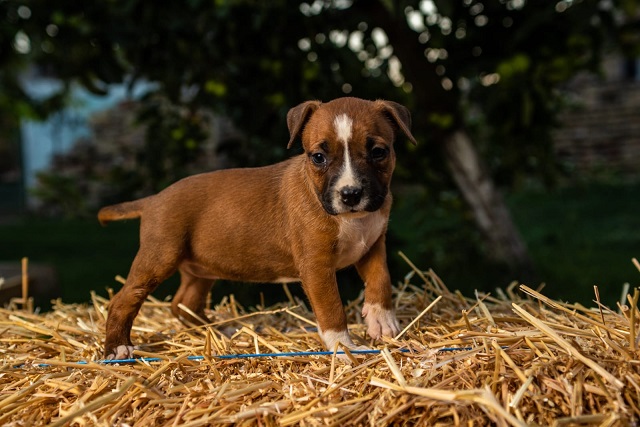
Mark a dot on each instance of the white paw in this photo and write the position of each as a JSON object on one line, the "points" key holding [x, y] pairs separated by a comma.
{"points": [[123, 352], [332, 338], [380, 321]]}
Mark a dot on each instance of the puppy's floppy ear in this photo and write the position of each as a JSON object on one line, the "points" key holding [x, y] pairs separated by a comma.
{"points": [[399, 115], [297, 117]]}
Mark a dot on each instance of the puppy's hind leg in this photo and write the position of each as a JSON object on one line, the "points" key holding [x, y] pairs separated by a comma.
{"points": [[191, 294], [147, 272]]}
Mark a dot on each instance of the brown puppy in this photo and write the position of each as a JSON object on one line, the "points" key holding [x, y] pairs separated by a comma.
{"points": [[296, 221]]}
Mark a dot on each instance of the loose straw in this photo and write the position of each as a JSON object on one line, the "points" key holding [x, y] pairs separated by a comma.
{"points": [[566, 345], [25, 280], [425, 311], [198, 358], [536, 362]]}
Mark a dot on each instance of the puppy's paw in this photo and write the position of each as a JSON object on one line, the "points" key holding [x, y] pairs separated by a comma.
{"points": [[332, 338], [380, 321], [122, 352]]}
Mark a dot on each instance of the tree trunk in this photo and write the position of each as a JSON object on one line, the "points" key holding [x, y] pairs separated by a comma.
{"points": [[490, 212]]}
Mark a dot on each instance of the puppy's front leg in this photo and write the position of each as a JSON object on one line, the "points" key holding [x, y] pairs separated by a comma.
{"points": [[377, 311], [321, 288]]}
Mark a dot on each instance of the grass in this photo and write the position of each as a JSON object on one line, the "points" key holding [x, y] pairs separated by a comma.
{"points": [[582, 236], [85, 255], [578, 237]]}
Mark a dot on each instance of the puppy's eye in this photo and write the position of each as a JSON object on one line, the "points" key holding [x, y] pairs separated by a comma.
{"points": [[379, 153], [318, 158]]}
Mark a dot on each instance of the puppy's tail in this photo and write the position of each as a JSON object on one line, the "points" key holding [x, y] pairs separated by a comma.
{"points": [[127, 210]]}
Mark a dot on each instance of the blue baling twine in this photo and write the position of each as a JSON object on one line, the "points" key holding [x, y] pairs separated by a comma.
{"points": [[246, 356]]}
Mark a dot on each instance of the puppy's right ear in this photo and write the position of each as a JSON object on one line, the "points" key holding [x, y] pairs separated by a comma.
{"points": [[297, 117]]}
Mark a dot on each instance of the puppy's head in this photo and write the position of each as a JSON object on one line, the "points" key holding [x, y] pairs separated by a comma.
{"points": [[348, 143]]}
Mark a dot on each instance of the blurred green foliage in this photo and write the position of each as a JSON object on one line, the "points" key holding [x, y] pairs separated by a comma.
{"points": [[252, 61]]}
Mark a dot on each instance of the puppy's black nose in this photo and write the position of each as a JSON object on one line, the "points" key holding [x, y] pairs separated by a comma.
{"points": [[351, 196]]}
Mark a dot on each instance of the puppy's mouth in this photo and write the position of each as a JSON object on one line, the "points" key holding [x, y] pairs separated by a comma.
{"points": [[366, 206], [331, 208]]}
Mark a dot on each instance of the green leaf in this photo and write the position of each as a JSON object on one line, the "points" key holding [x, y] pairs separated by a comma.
{"points": [[443, 121], [513, 66], [215, 88]]}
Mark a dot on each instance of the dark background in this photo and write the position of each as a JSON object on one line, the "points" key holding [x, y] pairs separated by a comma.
{"points": [[524, 113]]}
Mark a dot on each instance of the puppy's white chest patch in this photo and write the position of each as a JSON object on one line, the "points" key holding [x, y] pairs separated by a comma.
{"points": [[357, 235]]}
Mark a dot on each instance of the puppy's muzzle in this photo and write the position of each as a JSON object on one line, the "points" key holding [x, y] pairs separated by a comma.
{"points": [[351, 196]]}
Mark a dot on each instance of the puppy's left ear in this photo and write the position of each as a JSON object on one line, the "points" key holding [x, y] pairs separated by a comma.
{"points": [[297, 117], [399, 115]]}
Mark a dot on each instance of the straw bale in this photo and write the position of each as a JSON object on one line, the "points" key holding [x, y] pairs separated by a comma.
{"points": [[516, 359]]}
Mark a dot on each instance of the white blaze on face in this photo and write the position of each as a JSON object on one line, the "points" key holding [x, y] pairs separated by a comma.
{"points": [[343, 126]]}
